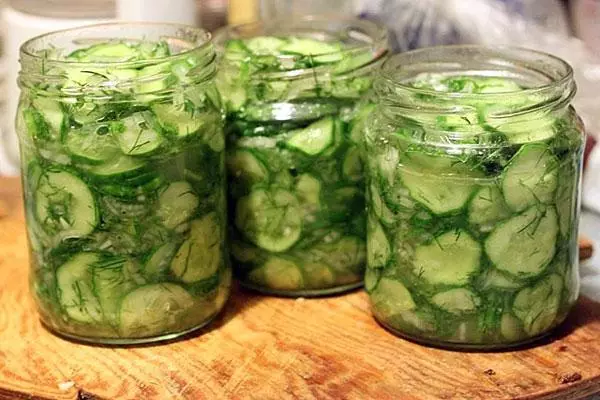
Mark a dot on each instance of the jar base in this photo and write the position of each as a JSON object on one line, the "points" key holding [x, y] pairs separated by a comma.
{"points": [[130, 341], [302, 293], [467, 347]]}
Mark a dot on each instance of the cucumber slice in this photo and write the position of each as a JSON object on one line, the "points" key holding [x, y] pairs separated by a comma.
{"points": [[52, 113], [379, 207], [346, 256], [200, 256], [243, 165], [156, 309], [158, 264], [352, 167], [106, 52], [566, 198], [75, 288], [182, 123], [372, 277], [318, 275], [387, 163], [327, 52], [487, 207], [279, 274], [308, 190], [538, 306], [530, 131], [494, 279], [137, 138], [457, 301], [259, 45], [64, 205], [378, 247], [91, 144], [525, 244], [111, 282], [36, 126], [390, 298], [272, 219], [119, 167], [176, 204], [453, 258], [315, 138], [530, 177], [440, 195], [511, 327]]}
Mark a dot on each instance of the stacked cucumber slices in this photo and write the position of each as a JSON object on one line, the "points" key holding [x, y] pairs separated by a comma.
{"points": [[125, 192], [296, 181], [472, 223]]}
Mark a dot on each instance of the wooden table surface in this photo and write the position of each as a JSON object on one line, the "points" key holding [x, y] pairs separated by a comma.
{"points": [[270, 348]]}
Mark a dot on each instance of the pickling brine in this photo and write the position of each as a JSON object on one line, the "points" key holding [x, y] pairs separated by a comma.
{"points": [[122, 150], [473, 184], [292, 91]]}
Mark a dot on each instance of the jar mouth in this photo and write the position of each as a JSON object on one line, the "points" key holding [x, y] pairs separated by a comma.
{"points": [[544, 79], [360, 35], [183, 37]]}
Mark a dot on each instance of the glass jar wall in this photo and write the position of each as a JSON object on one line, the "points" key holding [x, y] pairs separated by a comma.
{"points": [[122, 149], [473, 174], [292, 89]]}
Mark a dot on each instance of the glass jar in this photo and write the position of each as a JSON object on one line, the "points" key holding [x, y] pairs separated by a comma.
{"points": [[296, 188], [473, 174], [123, 164]]}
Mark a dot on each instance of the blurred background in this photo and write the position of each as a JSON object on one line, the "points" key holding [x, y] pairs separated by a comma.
{"points": [[567, 28]]}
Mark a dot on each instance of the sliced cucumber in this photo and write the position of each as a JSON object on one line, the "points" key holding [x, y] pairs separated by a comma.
{"points": [[179, 122], [119, 167], [176, 204], [538, 306], [315, 138], [530, 178], [346, 256], [380, 207], [322, 52], [65, 205], [106, 52], [279, 274], [566, 198], [457, 301], [36, 126], [111, 282], [372, 277], [137, 138], [243, 165], [199, 257], [529, 131], [75, 288], [308, 190], [452, 258], [156, 309], [487, 207], [390, 298], [525, 244], [52, 113], [388, 162], [353, 166], [91, 144], [511, 327], [378, 247], [259, 45], [318, 275], [272, 219], [494, 279], [158, 264]]}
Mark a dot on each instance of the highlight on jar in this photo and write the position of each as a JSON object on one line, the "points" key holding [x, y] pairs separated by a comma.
{"points": [[473, 176], [122, 150], [295, 91]]}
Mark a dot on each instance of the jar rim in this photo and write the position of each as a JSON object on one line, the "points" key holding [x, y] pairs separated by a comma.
{"points": [[27, 48], [373, 35], [389, 70]]}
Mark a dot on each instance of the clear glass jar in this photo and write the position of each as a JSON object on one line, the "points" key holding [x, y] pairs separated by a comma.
{"points": [[123, 164], [296, 188], [473, 175]]}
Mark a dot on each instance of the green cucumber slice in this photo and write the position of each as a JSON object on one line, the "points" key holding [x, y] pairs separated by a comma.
{"points": [[315, 138], [64, 205], [278, 273], [379, 207], [272, 219], [346, 256], [525, 244], [156, 309], [318, 275], [176, 204], [450, 259], [372, 277], [259, 45], [308, 190], [91, 144], [119, 167], [159, 262], [456, 301], [566, 198], [487, 207], [52, 113], [245, 166], [538, 306], [530, 177], [111, 282], [326, 52], [390, 298], [75, 288], [137, 138], [106, 52], [378, 247], [352, 167], [36, 126], [494, 279], [199, 257]]}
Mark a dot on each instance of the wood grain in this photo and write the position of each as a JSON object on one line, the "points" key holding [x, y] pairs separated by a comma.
{"points": [[270, 348]]}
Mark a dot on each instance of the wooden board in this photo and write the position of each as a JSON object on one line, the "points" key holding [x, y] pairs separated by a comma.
{"points": [[269, 348]]}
